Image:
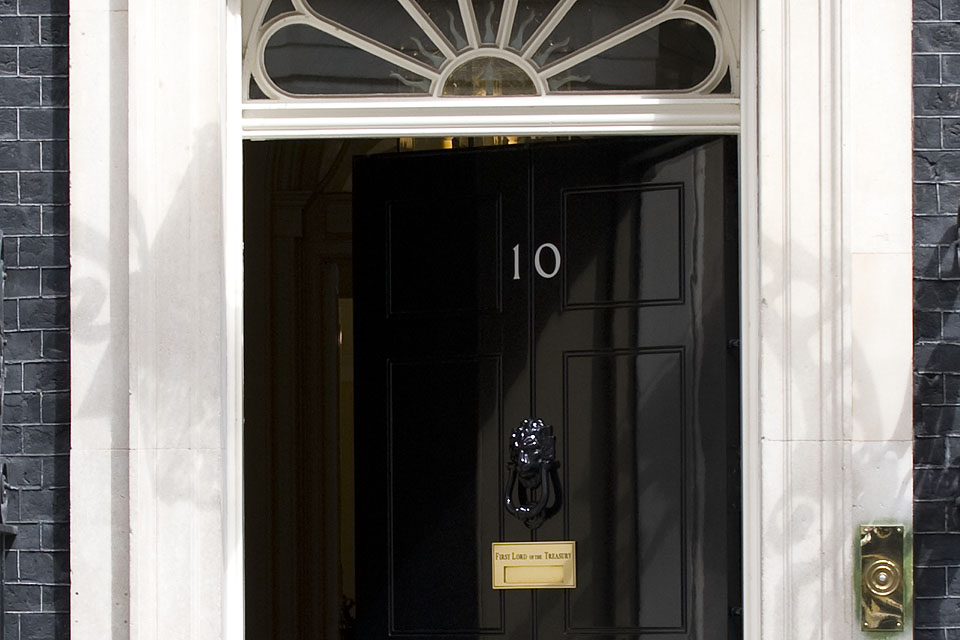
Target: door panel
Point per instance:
(467, 324)
(632, 359)
(441, 359)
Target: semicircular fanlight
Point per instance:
(302, 49)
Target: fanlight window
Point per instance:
(302, 49)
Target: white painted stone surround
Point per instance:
(155, 311)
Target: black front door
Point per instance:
(591, 285)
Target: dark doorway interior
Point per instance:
(339, 525)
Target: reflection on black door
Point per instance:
(591, 285)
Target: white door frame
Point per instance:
(157, 304)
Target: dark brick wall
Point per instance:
(34, 219)
(936, 92)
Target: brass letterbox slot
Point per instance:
(534, 565)
(881, 577)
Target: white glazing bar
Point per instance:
(470, 23)
(547, 27)
(506, 23)
(311, 18)
(424, 22)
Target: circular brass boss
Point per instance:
(882, 577)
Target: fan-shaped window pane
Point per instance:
(678, 54)
(488, 18)
(530, 15)
(489, 77)
(305, 61)
(590, 20)
(446, 16)
(385, 21)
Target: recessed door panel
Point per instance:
(456, 430)
(625, 433)
(591, 285)
(623, 245)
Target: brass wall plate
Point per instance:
(881, 577)
(534, 565)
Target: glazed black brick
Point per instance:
(45, 7)
(54, 29)
(9, 124)
(19, 92)
(56, 345)
(928, 388)
(936, 484)
(48, 313)
(938, 420)
(934, 357)
(950, 9)
(56, 92)
(936, 165)
(937, 549)
(55, 472)
(56, 598)
(929, 451)
(46, 505)
(929, 582)
(44, 252)
(44, 440)
(936, 101)
(55, 220)
(929, 634)
(926, 133)
(43, 626)
(22, 597)
(21, 408)
(55, 408)
(9, 187)
(44, 187)
(926, 262)
(939, 612)
(13, 382)
(8, 7)
(55, 282)
(54, 155)
(8, 61)
(28, 537)
(926, 9)
(43, 124)
(950, 69)
(926, 325)
(940, 37)
(44, 566)
(19, 30)
(25, 472)
(43, 61)
(951, 133)
(20, 220)
(18, 155)
(925, 199)
(54, 536)
(930, 517)
(932, 295)
(22, 283)
(46, 376)
(926, 69)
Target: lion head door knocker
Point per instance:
(533, 473)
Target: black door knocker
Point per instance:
(533, 462)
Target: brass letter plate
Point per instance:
(881, 577)
(534, 565)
